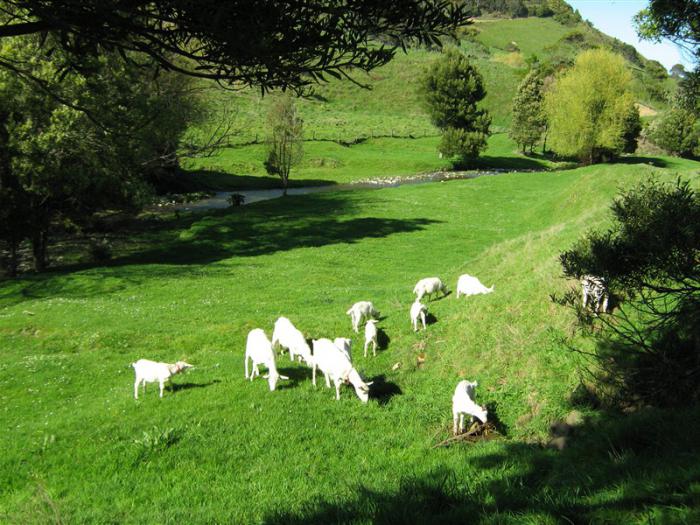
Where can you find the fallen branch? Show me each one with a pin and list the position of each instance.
(476, 432)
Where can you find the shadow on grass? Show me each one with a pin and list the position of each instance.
(383, 339)
(296, 375)
(430, 319)
(211, 180)
(176, 387)
(632, 159)
(197, 239)
(643, 468)
(382, 390)
(504, 163)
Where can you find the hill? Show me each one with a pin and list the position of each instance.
(343, 120)
(221, 449)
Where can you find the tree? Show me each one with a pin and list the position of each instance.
(648, 347)
(285, 144)
(452, 87)
(588, 106)
(678, 132)
(265, 43)
(678, 71)
(59, 165)
(676, 20)
(529, 118)
(631, 128)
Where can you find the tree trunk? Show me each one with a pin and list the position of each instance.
(39, 242)
(285, 182)
(13, 262)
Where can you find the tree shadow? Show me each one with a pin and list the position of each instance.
(632, 159)
(486, 162)
(187, 181)
(616, 470)
(382, 390)
(177, 246)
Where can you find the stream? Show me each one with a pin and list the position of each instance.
(221, 199)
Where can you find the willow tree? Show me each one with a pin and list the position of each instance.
(588, 107)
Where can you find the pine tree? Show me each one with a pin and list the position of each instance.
(529, 118)
(452, 88)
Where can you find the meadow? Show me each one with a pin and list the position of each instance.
(77, 448)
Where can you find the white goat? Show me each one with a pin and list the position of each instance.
(360, 311)
(147, 371)
(335, 365)
(468, 285)
(287, 336)
(344, 345)
(418, 311)
(429, 286)
(463, 403)
(595, 288)
(258, 349)
(371, 336)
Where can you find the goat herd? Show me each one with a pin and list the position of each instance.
(334, 359)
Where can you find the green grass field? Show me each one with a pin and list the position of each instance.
(77, 448)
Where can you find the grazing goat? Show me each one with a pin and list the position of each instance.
(258, 349)
(371, 336)
(418, 311)
(335, 365)
(287, 336)
(468, 285)
(463, 403)
(429, 286)
(360, 311)
(344, 345)
(595, 288)
(150, 371)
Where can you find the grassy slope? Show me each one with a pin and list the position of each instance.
(343, 111)
(243, 454)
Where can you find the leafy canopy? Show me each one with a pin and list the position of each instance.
(266, 43)
(588, 107)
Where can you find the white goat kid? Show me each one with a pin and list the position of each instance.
(429, 286)
(147, 371)
(360, 311)
(463, 403)
(371, 336)
(335, 365)
(259, 350)
(344, 345)
(418, 311)
(595, 288)
(287, 336)
(468, 285)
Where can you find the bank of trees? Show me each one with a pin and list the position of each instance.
(78, 143)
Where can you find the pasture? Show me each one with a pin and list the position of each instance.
(78, 448)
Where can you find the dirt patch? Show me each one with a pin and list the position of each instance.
(646, 111)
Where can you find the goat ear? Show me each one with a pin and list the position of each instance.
(283, 377)
(370, 383)
(266, 376)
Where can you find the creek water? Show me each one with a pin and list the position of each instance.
(221, 199)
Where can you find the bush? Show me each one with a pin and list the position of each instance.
(678, 132)
(648, 348)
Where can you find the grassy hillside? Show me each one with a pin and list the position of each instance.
(78, 448)
(343, 112)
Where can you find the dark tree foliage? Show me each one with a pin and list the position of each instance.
(649, 347)
(677, 20)
(266, 43)
(631, 129)
(529, 118)
(452, 88)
